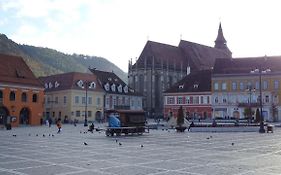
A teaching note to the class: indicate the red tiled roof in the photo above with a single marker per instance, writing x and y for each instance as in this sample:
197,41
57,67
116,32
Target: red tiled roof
245,65
189,83
14,70
69,81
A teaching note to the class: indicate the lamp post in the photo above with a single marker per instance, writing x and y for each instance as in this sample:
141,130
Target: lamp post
260,72
86,103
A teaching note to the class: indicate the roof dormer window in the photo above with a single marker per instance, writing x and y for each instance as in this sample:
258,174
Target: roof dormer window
113,87
80,84
106,87
92,85
120,88
50,85
195,86
57,84
181,86
125,89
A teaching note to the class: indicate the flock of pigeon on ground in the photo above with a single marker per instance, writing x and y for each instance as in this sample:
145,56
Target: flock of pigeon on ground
99,130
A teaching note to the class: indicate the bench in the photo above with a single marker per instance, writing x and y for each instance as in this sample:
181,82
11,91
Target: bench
269,128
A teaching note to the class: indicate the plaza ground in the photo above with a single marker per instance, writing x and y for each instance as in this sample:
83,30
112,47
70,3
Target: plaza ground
164,152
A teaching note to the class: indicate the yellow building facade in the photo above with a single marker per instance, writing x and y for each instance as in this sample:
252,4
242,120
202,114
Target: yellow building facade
238,83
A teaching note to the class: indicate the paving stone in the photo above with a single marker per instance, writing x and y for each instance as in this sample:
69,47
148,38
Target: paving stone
164,153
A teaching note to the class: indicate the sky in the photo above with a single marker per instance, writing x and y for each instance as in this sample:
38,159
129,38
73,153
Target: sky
119,29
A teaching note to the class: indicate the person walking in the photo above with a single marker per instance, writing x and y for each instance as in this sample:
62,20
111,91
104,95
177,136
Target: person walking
59,125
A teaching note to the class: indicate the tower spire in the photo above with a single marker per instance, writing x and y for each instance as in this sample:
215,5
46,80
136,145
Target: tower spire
220,42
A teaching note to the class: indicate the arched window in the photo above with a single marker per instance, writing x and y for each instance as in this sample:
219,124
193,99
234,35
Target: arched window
34,98
12,96
23,97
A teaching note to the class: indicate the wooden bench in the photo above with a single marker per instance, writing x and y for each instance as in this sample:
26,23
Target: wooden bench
269,128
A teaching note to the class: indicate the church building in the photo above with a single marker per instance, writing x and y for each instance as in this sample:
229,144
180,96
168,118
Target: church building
159,66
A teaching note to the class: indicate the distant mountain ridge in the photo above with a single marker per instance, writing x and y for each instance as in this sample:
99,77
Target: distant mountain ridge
45,61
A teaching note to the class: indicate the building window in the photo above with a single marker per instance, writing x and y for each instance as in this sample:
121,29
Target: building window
170,100
224,100
234,86
59,114
12,96
23,97
56,100
196,100
201,100
98,101
216,99
48,100
89,113
64,100
53,114
208,100
216,86
83,100
257,85
180,100
76,99
223,86
90,100
187,100
265,85
107,100
276,84
1,94
241,86
77,113
267,99
34,98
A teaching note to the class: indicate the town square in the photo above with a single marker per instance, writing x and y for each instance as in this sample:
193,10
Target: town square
159,152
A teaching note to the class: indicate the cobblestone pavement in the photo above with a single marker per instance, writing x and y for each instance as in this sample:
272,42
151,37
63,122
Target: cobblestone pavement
163,152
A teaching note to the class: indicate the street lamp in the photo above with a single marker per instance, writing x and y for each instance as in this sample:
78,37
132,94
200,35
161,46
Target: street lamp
260,72
86,85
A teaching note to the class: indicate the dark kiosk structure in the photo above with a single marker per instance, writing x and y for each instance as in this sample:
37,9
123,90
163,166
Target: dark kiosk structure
131,121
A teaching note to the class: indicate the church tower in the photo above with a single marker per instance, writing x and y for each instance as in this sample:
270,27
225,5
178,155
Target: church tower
220,42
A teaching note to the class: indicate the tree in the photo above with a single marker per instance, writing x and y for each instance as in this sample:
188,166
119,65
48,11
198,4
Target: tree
180,117
248,113
258,115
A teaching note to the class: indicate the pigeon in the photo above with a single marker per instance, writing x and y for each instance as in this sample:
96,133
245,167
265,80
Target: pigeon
43,135
99,132
207,138
14,135
80,132
36,134
85,143
141,146
53,135
116,140
211,136
49,135
29,134
232,144
120,143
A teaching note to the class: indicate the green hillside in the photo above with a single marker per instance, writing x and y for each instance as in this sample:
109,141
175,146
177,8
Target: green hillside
45,61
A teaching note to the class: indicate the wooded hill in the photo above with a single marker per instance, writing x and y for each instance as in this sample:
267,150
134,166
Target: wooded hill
45,61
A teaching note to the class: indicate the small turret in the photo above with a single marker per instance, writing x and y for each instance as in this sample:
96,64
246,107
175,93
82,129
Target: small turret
220,42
